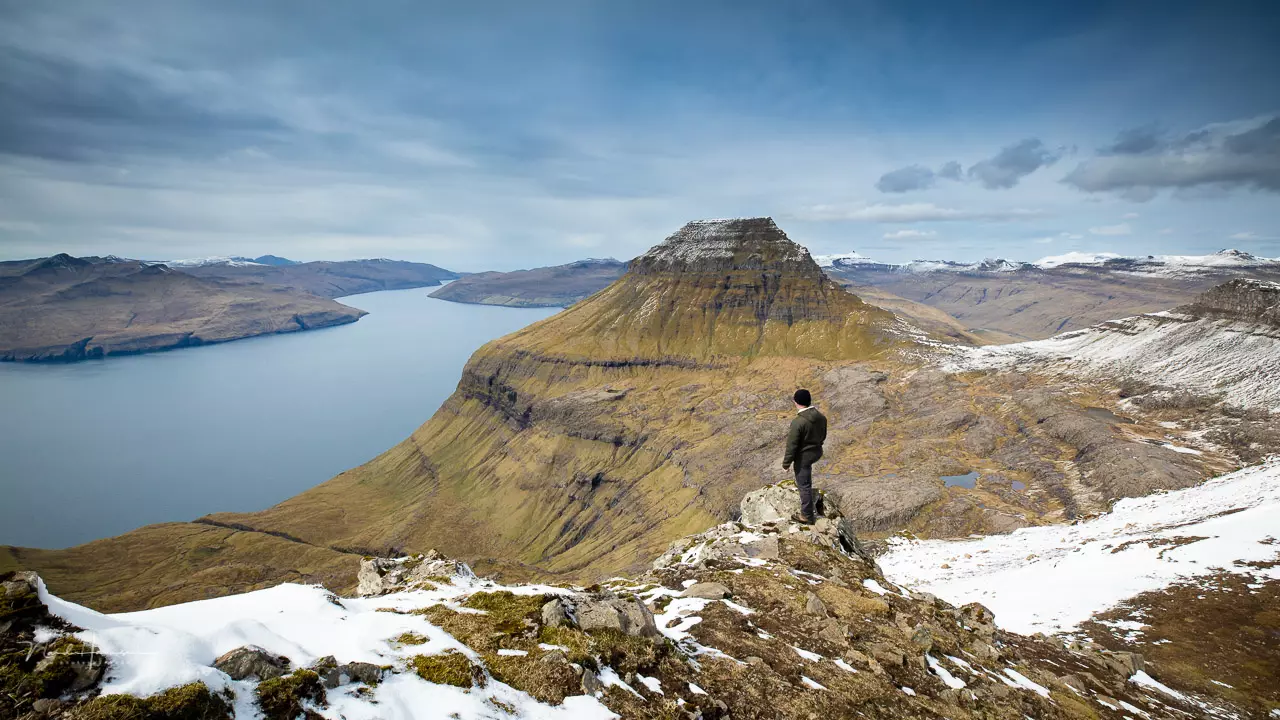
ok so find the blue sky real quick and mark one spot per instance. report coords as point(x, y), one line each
point(497, 135)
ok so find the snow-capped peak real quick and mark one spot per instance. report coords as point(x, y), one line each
point(1162, 264)
point(838, 259)
point(1076, 258)
point(232, 261)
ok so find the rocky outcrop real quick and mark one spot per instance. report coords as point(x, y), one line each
point(1243, 299)
point(379, 576)
point(252, 662)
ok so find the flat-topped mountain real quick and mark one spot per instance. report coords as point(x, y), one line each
point(557, 286)
point(63, 308)
point(719, 288)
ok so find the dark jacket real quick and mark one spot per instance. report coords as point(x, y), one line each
point(804, 439)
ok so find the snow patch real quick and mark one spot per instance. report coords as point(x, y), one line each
point(1078, 570)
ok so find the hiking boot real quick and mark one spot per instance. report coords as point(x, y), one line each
point(798, 518)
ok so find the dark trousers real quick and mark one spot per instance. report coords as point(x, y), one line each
point(804, 482)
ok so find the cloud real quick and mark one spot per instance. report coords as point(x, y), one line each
point(1043, 240)
point(1242, 154)
point(1012, 164)
point(1130, 216)
point(911, 213)
point(910, 235)
point(1121, 229)
point(1135, 141)
point(1166, 231)
point(1246, 236)
point(912, 177)
point(1071, 236)
point(951, 171)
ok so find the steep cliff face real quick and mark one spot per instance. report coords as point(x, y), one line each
point(1243, 299)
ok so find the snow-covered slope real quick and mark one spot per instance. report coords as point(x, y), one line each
point(154, 650)
point(1050, 579)
point(1227, 344)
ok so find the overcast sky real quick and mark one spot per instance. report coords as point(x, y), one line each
point(492, 135)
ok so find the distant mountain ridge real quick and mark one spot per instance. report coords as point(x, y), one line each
point(63, 308)
point(1226, 260)
point(1001, 300)
point(556, 286)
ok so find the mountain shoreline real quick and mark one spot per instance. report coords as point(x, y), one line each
point(62, 309)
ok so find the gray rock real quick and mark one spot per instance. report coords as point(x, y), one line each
point(769, 504)
point(1074, 683)
point(834, 632)
point(707, 591)
point(250, 661)
point(555, 613)
point(979, 619)
point(609, 612)
point(590, 682)
point(1125, 663)
point(887, 654)
point(360, 672)
point(922, 638)
point(813, 605)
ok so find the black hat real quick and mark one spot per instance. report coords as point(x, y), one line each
point(802, 397)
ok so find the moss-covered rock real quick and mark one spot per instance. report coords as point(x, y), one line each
point(282, 698)
point(187, 702)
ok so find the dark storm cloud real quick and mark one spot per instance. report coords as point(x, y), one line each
point(1224, 156)
point(1012, 164)
point(57, 110)
point(912, 177)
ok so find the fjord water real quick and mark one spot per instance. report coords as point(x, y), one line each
point(94, 449)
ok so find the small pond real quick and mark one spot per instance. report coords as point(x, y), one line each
point(967, 480)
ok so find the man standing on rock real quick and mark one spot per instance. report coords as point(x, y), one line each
point(804, 448)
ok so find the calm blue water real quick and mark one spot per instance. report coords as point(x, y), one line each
point(95, 449)
point(968, 480)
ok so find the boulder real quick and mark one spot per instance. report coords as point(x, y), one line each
point(591, 682)
point(610, 612)
point(813, 606)
point(250, 661)
point(707, 591)
point(978, 618)
point(555, 613)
